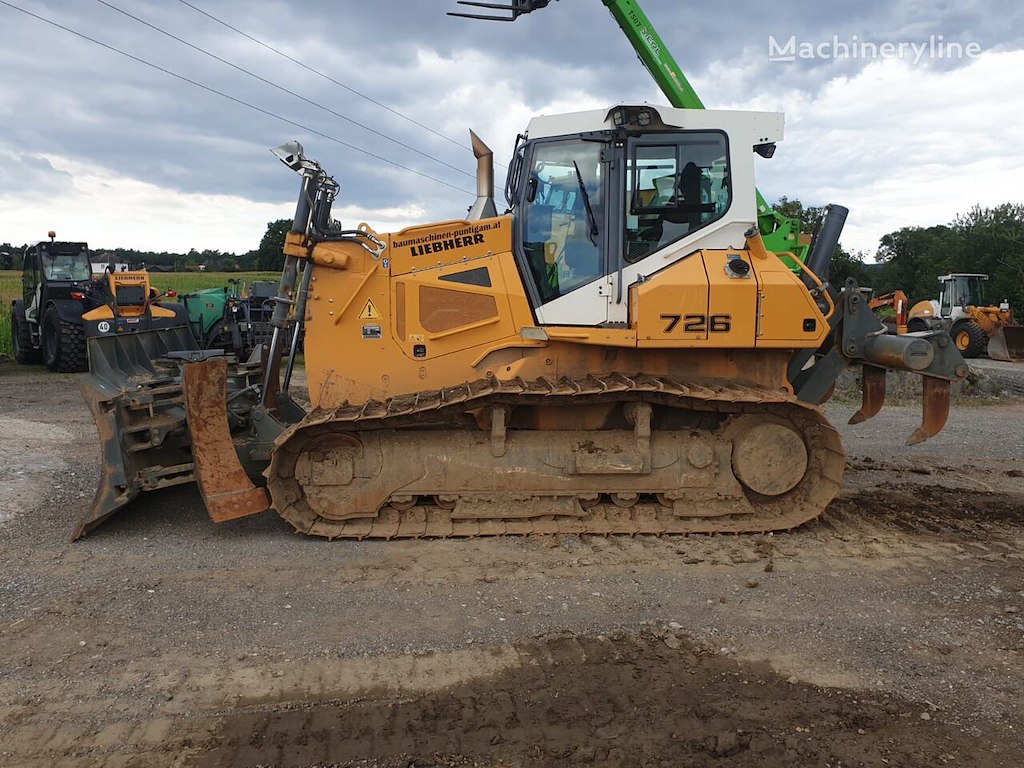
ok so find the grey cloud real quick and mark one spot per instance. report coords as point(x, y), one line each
point(71, 97)
point(30, 176)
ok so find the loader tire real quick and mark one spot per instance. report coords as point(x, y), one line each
point(63, 344)
point(970, 338)
point(21, 342)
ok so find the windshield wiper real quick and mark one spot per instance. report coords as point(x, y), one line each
point(593, 232)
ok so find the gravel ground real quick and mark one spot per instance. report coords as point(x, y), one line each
point(889, 632)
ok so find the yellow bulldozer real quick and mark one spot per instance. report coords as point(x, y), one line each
point(617, 353)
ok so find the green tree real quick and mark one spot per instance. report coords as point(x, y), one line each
point(845, 264)
point(270, 254)
point(914, 257)
point(992, 242)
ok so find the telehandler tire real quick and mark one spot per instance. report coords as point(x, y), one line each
point(21, 342)
point(63, 344)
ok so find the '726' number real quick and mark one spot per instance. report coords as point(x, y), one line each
point(699, 323)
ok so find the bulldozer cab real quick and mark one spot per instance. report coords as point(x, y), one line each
point(597, 194)
point(959, 291)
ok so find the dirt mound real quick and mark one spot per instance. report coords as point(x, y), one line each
point(648, 700)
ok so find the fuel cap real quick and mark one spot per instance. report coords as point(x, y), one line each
point(737, 267)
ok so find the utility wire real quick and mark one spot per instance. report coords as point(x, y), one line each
point(290, 92)
point(322, 74)
point(328, 78)
point(241, 102)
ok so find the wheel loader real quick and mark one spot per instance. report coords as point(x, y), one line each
point(976, 327)
point(617, 353)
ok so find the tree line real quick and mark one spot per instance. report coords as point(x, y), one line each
point(987, 241)
point(983, 240)
point(268, 257)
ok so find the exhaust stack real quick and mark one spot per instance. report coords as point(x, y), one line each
point(825, 241)
point(483, 208)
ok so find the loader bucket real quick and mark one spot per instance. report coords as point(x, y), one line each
point(1007, 343)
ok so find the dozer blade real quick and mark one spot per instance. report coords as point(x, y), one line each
point(225, 487)
point(1007, 343)
point(873, 379)
point(134, 394)
point(935, 399)
point(135, 390)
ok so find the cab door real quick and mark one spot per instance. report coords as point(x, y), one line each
point(563, 233)
point(30, 275)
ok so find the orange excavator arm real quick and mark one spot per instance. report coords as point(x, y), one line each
point(899, 301)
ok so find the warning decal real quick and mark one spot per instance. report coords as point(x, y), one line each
point(369, 312)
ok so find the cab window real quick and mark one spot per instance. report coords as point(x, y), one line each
point(66, 266)
point(563, 216)
point(675, 184)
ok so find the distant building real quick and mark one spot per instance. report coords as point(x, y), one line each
point(99, 268)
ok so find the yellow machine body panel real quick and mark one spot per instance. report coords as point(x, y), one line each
point(695, 303)
point(445, 303)
point(423, 314)
point(788, 317)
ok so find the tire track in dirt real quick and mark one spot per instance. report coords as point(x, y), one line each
point(651, 699)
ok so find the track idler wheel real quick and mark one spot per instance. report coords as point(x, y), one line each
point(768, 456)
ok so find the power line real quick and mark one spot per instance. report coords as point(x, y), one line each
point(290, 92)
point(322, 74)
point(234, 99)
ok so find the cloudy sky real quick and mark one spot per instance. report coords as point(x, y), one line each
point(103, 147)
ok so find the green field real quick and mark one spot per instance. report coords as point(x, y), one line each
point(182, 282)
